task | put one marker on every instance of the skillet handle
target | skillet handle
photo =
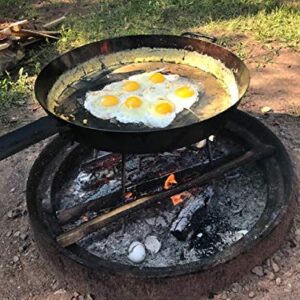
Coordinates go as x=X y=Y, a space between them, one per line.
x=28 y=135
x=196 y=35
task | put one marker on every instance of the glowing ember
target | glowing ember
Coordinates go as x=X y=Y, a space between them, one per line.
x=176 y=199
x=170 y=181
x=179 y=198
x=128 y=195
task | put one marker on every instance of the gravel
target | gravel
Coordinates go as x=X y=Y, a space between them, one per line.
x=258 y=270
x=278 y=281
x=16 y=259
x=275 y=267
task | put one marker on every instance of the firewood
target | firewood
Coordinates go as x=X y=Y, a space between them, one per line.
x=182 y=226
x=55 y=22
x=72 y=236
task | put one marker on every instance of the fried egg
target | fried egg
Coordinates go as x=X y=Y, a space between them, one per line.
x=184 y=94
x=161 y=113
x=101 y=105
x=132 y=110
x=151 y=98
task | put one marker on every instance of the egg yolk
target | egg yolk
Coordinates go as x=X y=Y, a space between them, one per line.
x=157 y=78
x=133 y=102
x=130 y=86
x=164 y=108
x=109 y=100
x=184 y=92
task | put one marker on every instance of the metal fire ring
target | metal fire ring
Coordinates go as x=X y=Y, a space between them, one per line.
x=88 y=273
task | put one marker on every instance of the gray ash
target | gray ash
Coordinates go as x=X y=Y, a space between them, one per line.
x=235 y=207
x=238 y=202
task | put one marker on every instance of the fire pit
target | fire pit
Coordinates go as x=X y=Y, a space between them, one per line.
x=168 y=212
x=83 y=212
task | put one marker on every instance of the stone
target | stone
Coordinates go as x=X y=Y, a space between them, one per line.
x=23 y=236
x=76 y=294
x=275 y=267
x=266 y=109
x=9 y=233
x=278 y=281
x=16 y=259
x=258 y=270
x=270 y=275
x=60 y=291
x=236 y=287
x=17 y=233
x=14 y=213
x=22 y=248
x=152 y=244
x=252 y=295
x=297 y=238
x=89 y=297
x=297 y=232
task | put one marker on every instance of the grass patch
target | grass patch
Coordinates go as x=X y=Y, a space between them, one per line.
x=281 y=25
x=14 y=92
x=265 y=20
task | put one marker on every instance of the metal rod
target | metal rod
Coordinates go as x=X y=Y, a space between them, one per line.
x=123 y=175
x=209 y=152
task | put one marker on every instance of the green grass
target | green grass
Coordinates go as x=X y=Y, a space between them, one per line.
x=267 y=21
x=14 y=91
x=281 y=25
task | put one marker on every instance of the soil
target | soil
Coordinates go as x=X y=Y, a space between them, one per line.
x=23 y=272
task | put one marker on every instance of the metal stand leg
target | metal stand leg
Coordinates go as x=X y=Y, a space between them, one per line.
x=123 y=174
x=209 y=152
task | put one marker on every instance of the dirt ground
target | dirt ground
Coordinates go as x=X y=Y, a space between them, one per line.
x=23 y=273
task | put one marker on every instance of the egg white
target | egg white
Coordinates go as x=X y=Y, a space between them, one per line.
x=183 y=103
x=132 y=115
x=93 y=105
x=149 y=93
x=155 y=119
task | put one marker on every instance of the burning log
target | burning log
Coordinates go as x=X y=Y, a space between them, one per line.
x=192 y=209
x=72 y=236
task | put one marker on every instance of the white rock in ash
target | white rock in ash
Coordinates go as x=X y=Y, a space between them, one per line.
x=152 y=244
x=136 y=252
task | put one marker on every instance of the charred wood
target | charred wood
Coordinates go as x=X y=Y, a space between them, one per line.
x=72 y=236
x=192 y=209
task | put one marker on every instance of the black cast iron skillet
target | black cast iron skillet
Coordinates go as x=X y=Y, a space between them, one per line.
x=124 y=138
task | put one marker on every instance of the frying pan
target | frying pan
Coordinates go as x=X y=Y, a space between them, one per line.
x=93 y=65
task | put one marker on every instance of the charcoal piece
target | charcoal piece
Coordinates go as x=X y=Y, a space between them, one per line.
x=182 y=226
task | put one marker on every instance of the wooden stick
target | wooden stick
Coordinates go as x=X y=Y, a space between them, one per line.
x=54 y=22
x=72 y=236
x=76 y=211
x=28 y=32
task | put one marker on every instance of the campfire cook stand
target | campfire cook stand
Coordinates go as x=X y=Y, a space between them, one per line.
x=111 y=279
x=63 y=231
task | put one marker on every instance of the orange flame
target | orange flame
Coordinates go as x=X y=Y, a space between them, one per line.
x=128 y=195
x=170 y=181
x=179 y=198
x=176 y=199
